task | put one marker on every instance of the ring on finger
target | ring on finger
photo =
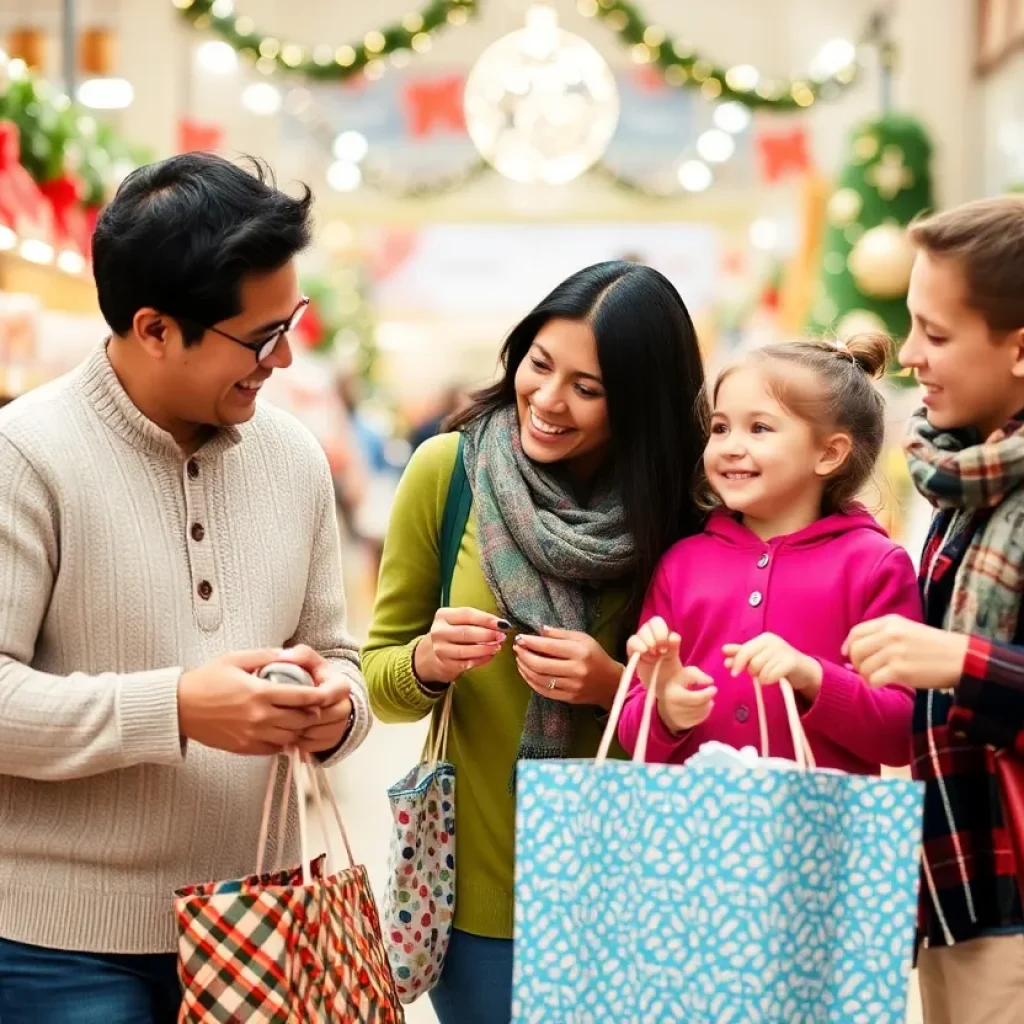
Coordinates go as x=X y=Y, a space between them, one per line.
x=553 y=684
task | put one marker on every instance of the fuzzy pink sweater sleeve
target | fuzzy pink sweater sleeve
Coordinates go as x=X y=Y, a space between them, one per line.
x=873 y=724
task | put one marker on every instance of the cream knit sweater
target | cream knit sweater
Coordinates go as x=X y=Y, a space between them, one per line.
x=122 y=565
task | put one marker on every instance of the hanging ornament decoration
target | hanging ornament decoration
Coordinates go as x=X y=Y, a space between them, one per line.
x=881 y=261
x=835 y=69
x=397 y=42
x=541 y=104
x=860 y=321
x=844 y=207
x=865 y=148
x=890 y=176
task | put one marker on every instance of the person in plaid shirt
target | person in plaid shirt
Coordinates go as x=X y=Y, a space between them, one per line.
x=966 y=455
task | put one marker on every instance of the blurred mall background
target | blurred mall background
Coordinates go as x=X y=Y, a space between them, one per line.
x=469 y=154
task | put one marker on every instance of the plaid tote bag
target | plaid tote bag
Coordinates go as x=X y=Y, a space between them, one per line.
x=295 y=946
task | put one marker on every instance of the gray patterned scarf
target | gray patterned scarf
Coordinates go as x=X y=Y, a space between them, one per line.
x=541 y=552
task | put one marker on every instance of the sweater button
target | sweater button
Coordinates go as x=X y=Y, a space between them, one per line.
x=205 y=590
x=762 y=561
x=742 y=713
x=198 y=533
x=756 y=598
x=192 y=468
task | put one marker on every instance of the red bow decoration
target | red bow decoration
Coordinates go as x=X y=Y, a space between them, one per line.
x=434 y=102
x=23 y=207
x=72 y=228
x=783 y=153
x=92 y=215
x=392 y=249
x=648 y=78
x=310 y=329
x=194 y=136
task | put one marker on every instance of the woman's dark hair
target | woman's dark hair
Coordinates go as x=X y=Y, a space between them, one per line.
x=180 y=235
x=657 y=402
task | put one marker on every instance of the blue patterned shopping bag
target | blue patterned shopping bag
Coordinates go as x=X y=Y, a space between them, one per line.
x=718 y=892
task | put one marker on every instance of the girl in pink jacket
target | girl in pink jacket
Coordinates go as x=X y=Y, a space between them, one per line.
x=787 y=564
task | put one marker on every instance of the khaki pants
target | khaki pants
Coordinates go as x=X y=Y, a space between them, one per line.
x=977 y=982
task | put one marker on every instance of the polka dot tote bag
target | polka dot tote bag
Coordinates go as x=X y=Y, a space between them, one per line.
x=419 y=904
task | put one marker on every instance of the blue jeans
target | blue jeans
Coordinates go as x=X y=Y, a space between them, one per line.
x=50 y=986
x=476 y=984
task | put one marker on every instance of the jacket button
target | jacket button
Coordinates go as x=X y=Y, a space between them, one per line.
x=205 y=590
x=198 y=533
x=756 y=598
x=742 y=713
x=762 y=561
x=192 y=468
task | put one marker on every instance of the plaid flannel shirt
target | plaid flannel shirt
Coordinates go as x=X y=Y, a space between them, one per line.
x=969 y=886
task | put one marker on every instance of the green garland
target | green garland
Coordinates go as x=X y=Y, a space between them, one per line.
x=684 y=67
x=324 y=62
x=432 y=188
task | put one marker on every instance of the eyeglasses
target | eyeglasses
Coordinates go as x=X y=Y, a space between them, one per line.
x=264 y=349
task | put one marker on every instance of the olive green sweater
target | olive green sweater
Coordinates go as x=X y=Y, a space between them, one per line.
x=489 y=703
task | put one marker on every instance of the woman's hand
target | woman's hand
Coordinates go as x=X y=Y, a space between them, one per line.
x=567 y=666
x=686 y=696
x=769 y=659
x=459 y=639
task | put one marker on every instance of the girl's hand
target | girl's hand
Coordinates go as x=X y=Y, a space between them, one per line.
x=459 y=639
x=685 y=694
x=568 y=666
x=769 y=659
x=687 y=700
x=655 y=643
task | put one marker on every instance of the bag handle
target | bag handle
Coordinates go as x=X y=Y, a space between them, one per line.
x=457 y=505
x=453 y=523
x=301 y=768
x=801 y=747
x=616 y=713
x=435 y=749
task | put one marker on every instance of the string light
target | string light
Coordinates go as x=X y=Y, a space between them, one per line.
x=834 y=67
x=394 y=42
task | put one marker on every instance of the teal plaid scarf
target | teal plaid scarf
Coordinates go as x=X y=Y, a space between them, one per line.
x=977 y=478
x=541 y=552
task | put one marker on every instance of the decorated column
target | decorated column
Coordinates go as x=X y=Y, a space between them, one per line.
x=867 y=256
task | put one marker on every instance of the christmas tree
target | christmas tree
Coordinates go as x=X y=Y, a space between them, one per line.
x=866 y=255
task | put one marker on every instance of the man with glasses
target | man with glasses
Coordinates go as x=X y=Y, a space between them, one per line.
x=163 y=537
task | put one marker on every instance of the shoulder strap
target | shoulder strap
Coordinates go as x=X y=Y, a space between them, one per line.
x=453 y=525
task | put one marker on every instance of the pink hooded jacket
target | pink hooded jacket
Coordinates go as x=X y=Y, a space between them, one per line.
x=726 y=585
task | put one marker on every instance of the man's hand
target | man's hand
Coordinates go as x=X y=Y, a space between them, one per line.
x=335 y=719
x=893 y=649
x=225 y=706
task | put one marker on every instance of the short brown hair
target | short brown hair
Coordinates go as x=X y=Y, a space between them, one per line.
x=986 y=239
x=843 y=398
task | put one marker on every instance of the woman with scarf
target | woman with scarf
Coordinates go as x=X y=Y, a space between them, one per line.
x=966 y=456
x=580 y=461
